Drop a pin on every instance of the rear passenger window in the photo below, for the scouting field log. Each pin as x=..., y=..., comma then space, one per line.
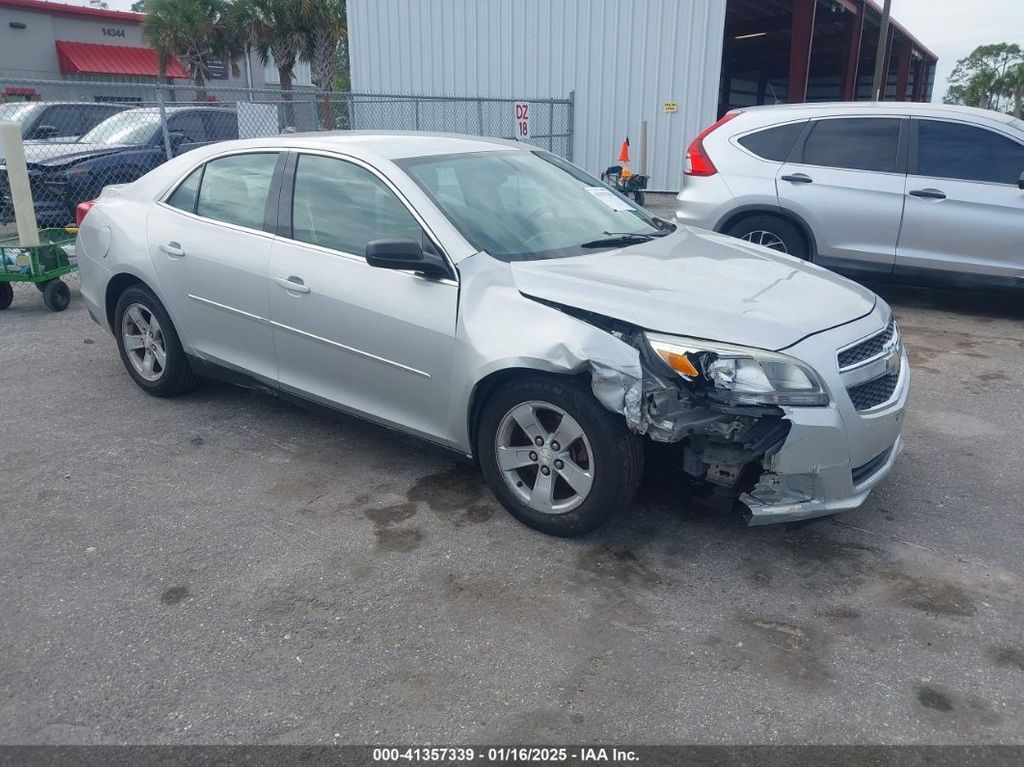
x=184, y=197
x=774, y=143
x=341, y=206
x=856, y=143
x=234, y=189
x=953, y=150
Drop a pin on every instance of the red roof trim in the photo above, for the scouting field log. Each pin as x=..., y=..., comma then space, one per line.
x=73, y=10
x=97, y=59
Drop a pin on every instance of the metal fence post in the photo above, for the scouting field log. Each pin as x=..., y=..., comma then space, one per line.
x=163, y=122
x=417, y=114
x=479, y=117
x=351, y=103
x=551, y=126
x=572, y=125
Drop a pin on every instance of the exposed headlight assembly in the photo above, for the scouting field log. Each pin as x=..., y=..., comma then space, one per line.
x=738, y=375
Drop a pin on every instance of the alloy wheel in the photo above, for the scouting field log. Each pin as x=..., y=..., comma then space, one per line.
x=143, y=342
x=766, y=239
x=544, y=457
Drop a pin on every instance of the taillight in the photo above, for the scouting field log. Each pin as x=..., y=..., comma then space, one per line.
x=81, y=209
x=697, y=161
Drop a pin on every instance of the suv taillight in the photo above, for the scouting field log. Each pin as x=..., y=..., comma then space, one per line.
x=81, y=209
x=697, y=161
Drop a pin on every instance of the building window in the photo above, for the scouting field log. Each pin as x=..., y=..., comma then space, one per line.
x=301, y=73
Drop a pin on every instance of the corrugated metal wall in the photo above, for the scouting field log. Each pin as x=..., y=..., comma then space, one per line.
x=623, y=58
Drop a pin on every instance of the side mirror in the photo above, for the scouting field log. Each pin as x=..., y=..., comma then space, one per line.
x=44, y=131
x=404, y=253
x=176, y=139
x=1020, y=182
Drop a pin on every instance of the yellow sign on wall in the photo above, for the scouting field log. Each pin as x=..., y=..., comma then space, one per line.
x=670, y=107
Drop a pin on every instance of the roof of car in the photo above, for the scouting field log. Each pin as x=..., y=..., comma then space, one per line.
x=889, y=107
x=388, y=144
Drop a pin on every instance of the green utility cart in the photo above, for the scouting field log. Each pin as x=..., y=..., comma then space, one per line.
x=43, y=265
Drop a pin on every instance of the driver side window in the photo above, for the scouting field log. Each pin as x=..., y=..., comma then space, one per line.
x=341, y=206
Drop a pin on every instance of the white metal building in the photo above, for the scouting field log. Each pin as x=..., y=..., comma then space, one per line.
x=622, y=60
x=679, y=64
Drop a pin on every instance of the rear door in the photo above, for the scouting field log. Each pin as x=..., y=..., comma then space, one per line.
x=845, y=179
x=964, y=208
x=210, y=248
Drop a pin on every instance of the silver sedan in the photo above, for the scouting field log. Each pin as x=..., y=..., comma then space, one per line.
x=498, y=301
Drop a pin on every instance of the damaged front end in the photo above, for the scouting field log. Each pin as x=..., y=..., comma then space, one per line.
x=728, y=408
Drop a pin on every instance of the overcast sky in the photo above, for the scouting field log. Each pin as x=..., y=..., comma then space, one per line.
x=950, y=28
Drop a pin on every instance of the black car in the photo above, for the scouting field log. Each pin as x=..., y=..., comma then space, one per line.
x=117, y=151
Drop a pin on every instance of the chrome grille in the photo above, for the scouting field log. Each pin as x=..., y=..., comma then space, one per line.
x=873, y=393
x=866, y=349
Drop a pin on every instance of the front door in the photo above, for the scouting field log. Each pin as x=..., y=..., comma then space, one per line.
x=375, y=341
x=964, y=208
x=211, y=253
x=845, y=181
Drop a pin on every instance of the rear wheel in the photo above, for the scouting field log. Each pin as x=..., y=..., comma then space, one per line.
x=555, y=458
x=57, y=295
x=149, y=344
x=6, y=295
x=771, y=232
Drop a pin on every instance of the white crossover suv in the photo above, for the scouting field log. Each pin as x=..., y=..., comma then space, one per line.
x=921, y=192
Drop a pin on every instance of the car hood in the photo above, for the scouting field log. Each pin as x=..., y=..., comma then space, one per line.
x=704, y=285
x=51, y=153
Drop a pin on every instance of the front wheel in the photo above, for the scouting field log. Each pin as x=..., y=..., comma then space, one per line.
x=556, y=459
x=149, y=344
x=6, y=295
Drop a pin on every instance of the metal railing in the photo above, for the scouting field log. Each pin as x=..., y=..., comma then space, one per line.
x=83, y=135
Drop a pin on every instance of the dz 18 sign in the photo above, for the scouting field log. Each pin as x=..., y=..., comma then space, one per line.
x=522, y=123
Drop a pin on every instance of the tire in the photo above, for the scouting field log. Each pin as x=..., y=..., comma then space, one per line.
x=57, y=295
x=772, y=232
x=40, y=286
x=605, y=450
x=639, y=197
x=173, y=376
x=6, y=295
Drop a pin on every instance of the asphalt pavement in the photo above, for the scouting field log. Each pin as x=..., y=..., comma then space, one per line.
x=228, y=568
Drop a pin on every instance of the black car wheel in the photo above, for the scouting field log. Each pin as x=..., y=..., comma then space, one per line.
x=149, y=344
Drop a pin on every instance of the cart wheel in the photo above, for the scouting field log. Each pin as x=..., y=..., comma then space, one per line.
x=6, y=295
x=57, y=295
x=638, y=195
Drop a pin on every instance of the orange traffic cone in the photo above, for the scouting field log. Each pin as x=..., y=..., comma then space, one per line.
x=624, y=153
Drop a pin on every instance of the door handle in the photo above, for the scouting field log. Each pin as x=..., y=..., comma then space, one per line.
x=798, y=178
x=293, y=283
x=172, y=249
x=928, y=194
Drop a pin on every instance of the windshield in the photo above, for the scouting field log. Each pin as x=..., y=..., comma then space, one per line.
x=20, y=113
x=522, y=206
x=125, y=128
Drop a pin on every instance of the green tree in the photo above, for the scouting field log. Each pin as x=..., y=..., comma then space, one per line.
x=326, y=27
x=1014, y=84
x=981, y=79
x=275, y=29
x=193, y=31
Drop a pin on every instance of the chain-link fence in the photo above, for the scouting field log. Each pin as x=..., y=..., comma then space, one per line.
x=81, y=136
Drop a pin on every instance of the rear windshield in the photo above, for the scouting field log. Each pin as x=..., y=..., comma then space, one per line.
x=520, y=206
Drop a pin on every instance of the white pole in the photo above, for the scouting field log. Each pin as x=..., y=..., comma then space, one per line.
x=642, y=153
x=17, y=180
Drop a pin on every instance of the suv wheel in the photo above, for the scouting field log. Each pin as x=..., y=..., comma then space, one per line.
x=149, y=345
x=770, y=232
x=555, y=458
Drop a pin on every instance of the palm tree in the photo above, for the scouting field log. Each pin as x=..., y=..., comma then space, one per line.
x=193, y=31
x=1013, y=83
x=326, y=24
x=274, y=29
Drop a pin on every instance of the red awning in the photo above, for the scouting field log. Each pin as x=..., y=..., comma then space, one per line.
x=95, y=59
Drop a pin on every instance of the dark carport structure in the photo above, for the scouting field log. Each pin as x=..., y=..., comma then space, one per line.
x=789, y=51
